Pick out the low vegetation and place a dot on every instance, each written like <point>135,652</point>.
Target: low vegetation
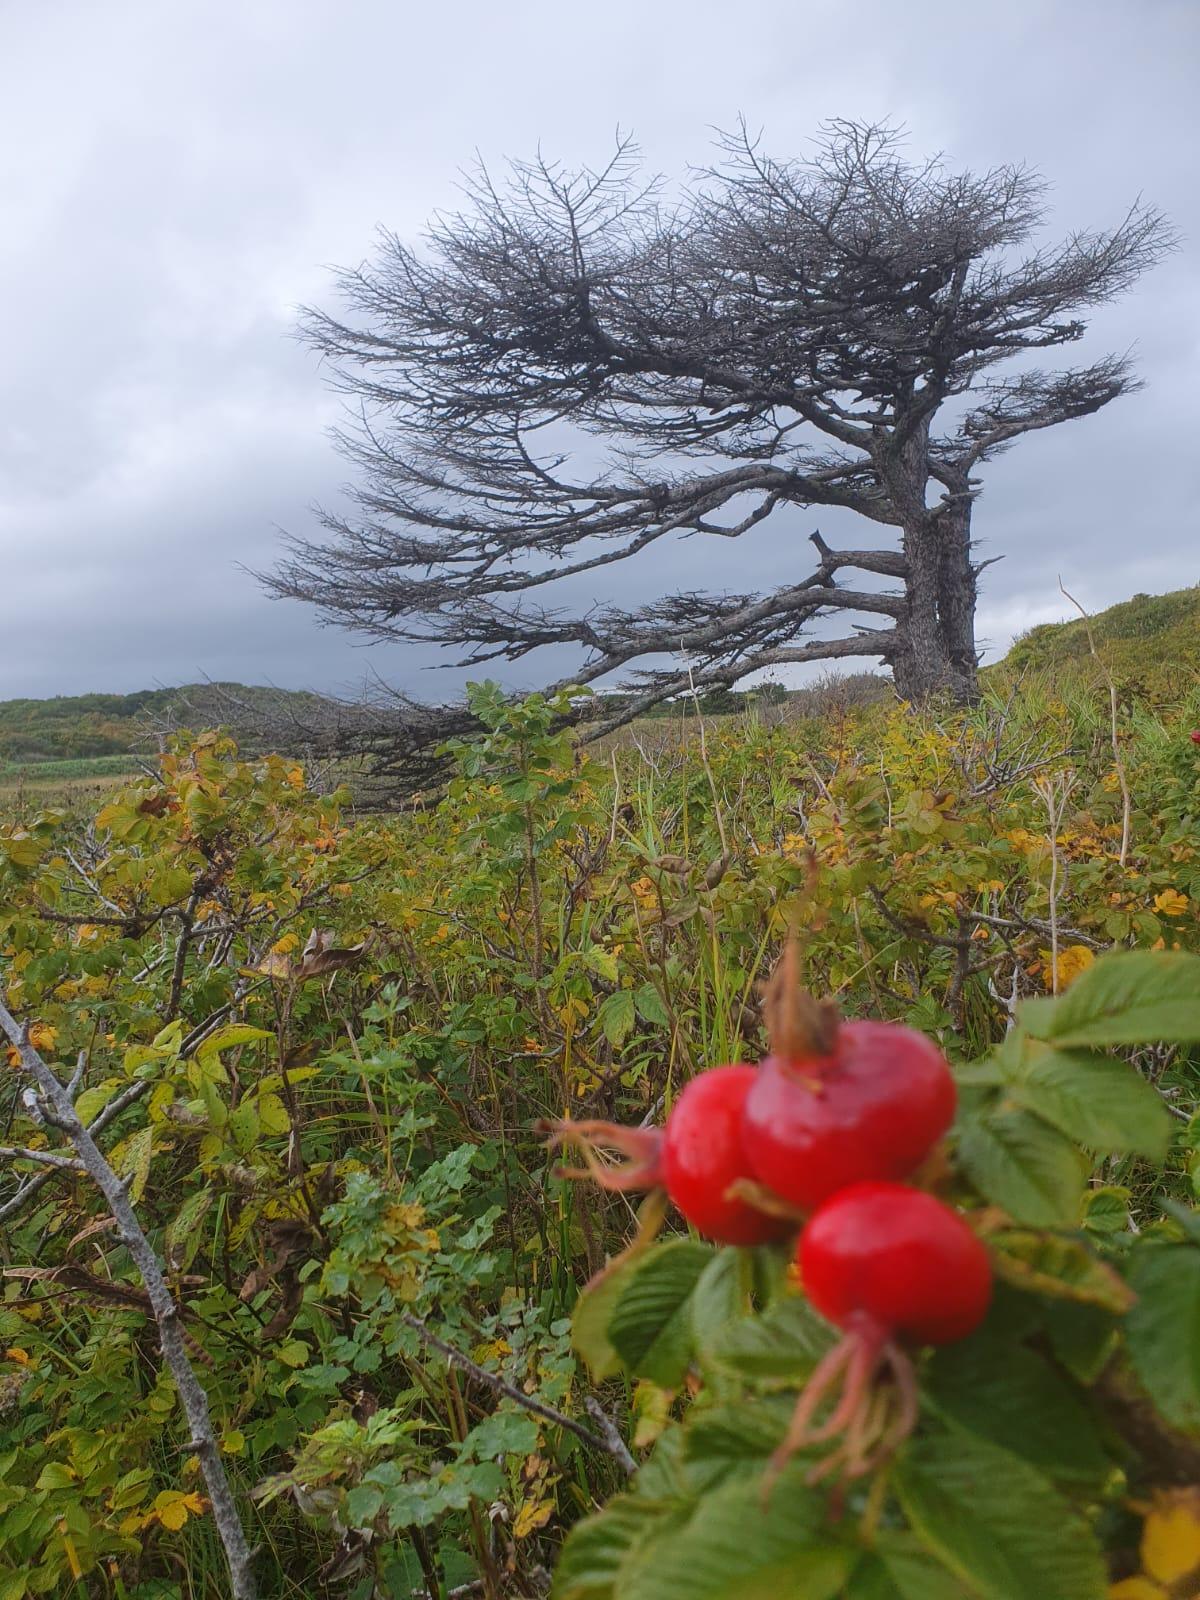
<point>316,1046</point>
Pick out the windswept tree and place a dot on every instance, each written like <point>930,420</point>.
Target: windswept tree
<point>570,370</point>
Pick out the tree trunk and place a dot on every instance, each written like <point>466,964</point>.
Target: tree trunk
<point>921,664</point>
<point>956,601</point>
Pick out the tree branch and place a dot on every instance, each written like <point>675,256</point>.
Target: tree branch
<point>166,1312</point>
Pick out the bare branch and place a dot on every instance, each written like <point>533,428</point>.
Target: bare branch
<point>166,1311</point>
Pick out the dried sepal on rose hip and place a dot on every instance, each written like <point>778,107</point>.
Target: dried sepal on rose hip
<point>891,1266</point>
<point>839,1102</point>
<point>697,1158</point>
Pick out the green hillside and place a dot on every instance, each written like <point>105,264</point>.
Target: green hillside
<point>1150,643</point>
<point>86,726</point>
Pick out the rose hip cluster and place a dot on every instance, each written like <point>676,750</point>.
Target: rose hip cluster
<point>818,1138</point>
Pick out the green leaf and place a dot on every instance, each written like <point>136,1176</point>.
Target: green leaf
<point>996,1522</point>
<point>1127,997</point>
<point>729,1441</point>
<point>272,1114</point>
<point>55,1475</point>
<point>1024,1167</point>
<point>1011,1395</point>
<point>735,1548</point>
<point>651,1324</point>
<point>778,1348</point>
<point>617,1017</point>
<point>1163,1329</point>
<point>170,885</point>
<point>597,1547</point>
<point>898,1569</point>
<point>601,961</point>
<point>722,1293</point>
<point>1060,1267</point>
<point>1098,1101</point>
<point>234,1033</point>
<point>591,1316</point>
<point>134,1162</point>
<point>650,1007</point>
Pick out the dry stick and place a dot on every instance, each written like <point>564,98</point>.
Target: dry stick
<point>1114,732</point>
<point>48,1158</point>
<point>1054,792</point>
<point>611,1442</point>
<point>60,1113</point>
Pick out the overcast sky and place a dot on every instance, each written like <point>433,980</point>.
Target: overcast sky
<point>176,178</point>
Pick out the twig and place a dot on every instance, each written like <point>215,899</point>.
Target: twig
<point>166,1311</point>
<point>1054,791</point>
<point>1114,731</point>
<point>611,1443</point>
<point>49,1158</point>
<point>612,1437</point>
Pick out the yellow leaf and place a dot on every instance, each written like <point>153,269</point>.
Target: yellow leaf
<point>42,1036</point>
<point>1171,903</point>
<point>1136,1589</point>
<point>171,1508</point>
<point>21,1357</point>
<point>1171,1535</point>
<point>533,1514</point>
<point>284,946</point>
<point>1076,958</point>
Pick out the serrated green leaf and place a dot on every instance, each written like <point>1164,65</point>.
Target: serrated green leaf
<point>1163,1329</point>
<point>601,961</point>
<point>1127,997</point>
<point>650,1007</point>
<point>183,1236</point>
<point>777,1349</point>
<point>996,1522</point>
<point>1009,1394</point>
<point>597,1547</point>
<point>735,1548</point>
<point>1098,1101</point>
<point>1023,1166</point>
<point>735,1440</point>
<point>617,1016</point>
<point>898,1569</point>
<point>1058,1266</point>
<point>55,1475</point>
<point>651,1322</point>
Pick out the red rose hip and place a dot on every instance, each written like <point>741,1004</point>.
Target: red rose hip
<point>873,1106</point>
<point>697,1158</point>
<point>702,1157</point>
<point>886,1257</point>
<point>887,1263</point>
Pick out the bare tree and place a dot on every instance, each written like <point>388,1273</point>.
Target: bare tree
<point>572,371</point>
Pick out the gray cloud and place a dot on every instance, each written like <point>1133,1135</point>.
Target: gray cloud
<point>176,178</point>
